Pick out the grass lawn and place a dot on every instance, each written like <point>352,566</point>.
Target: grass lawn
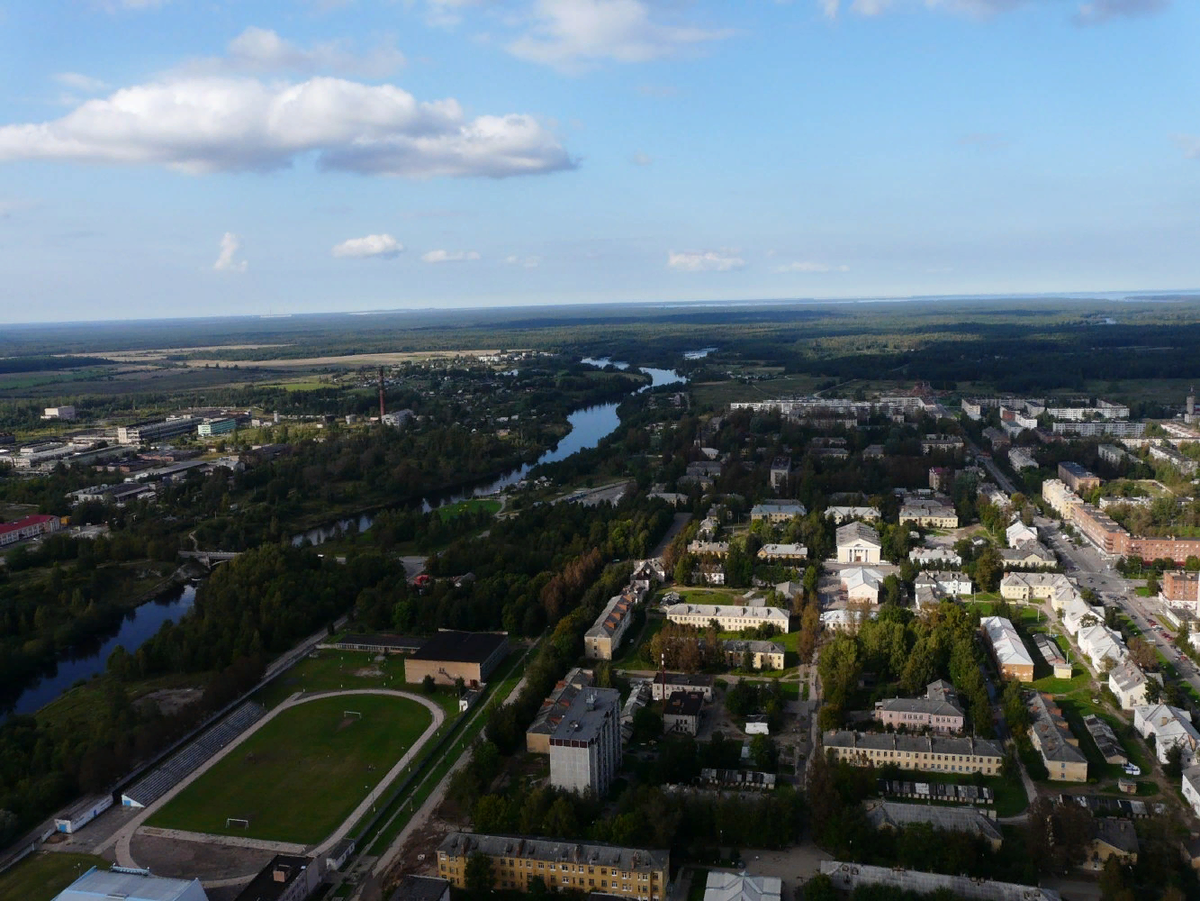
<point>699,885</point>
<point>41,876</point>
<point>331,670</point>
<point>711,595</point>
<point>301,775</point>
<point>636,656</point>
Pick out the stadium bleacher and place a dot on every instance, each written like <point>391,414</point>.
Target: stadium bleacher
<point>176,768</point>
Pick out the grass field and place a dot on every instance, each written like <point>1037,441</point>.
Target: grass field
<point>471,505</point>
<point>41,876</point>
<point>298,777</point>
<point>334,670</point>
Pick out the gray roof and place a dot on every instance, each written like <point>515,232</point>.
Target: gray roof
<point>1052,732</point>
<point>930,706</point>
<point>951,819</point>
<point>555,706</point>
<point>857,531</point>
<point>584,718</point>
<point>882,741</point>
<point>847,875</point>
<point>758,647</point>
<point>461,844</point>
<point>1118,833</point>
<point>419,888</point>
<point>131,885</point>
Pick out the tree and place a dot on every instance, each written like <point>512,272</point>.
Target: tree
<point>478,874</point>
<point>989,566</point>
<point>764,753</point>
<point>1152,586</point>
<point>1174,764</point>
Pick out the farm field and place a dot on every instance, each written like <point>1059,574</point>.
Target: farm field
<point>301,775</point>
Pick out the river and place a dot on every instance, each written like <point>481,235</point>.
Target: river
<point>92,658</point>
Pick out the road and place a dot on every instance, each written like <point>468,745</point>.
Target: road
<point>1094,570</point>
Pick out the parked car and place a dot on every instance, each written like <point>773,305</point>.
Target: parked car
<point>1132,769</point>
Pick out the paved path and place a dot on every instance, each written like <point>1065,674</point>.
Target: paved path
<point>121,840</point>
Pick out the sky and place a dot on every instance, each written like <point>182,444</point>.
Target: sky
<point>225,157</point>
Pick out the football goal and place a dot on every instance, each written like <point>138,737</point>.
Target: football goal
<point>356,714</point>
<point>240,822</point>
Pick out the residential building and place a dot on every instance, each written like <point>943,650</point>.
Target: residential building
<point>934,557</point>
<point>585,746</point>
<point>1128,683</point>
<point>941,444</point>
<point>927,753</point>
<point>1018,533</point>
<point>1110,453</point>
<point>1053,739</point>
<point>843,514</point>
<point>1191,787</point>
<point>1077,478</point>
<point>946,583</point>
<point>560,865</point>
<point>725,886</point>
<point>285,878</point>
<point>666,684</point>
<point>396,419</point>
<point>146,432</point>
<point>789,553</point>
<point>846,619</point>
<point>451,655</point>
<point>1170,726</point>
<point>1062,500</point>
<point>28,527</point>
<point>555,707</point>
<point>1165,453</point>
<point>1099,427</point>
<point>997,439</point>
<point>938,710</point>
<point>129,884</point>
<point>781,469</point>
<point>1007,649</point>
<point>708,548</point>
<point>762,654</point>
<point>941,478</point>
<point>603,639</point>
<point>971,820</point>
<point>1102,646</point>
<point>709,574</point>
<point>1112,837</point>
<point>1029,555</point>
<point>857,542</point>
<point>681,712</point>
<point>1181,588</point>
<point>1031,586</point>
<point>777,512</point>
<point>929,512</point>
<point>1020,459</point>
<point>729,617</point>
<point>848,876</point>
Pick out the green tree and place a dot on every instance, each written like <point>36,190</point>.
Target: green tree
<point>478,873</point>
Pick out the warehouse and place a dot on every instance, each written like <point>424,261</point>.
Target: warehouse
<point>450,655</point>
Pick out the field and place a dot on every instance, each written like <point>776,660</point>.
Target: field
<point>471,505</point>
<point>300,776</point>
<point>41,876</point>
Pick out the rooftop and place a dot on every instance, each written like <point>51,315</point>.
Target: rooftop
<point>684,703</point>
<point>419,888</point>
<point>461,647</point>
<point>462,844</point>
<point>130,885</point>
<point>584,717</point>
<point>951,819</point>
<point>275,879</point>
<point>723,886</point>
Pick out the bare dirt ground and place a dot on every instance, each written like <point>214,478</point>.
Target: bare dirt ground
<point>169,857</point>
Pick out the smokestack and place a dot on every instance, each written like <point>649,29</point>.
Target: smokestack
<point>381,410</point>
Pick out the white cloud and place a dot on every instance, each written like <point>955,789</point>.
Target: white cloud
<point>226,124</point>
<point>830,8</point>
<point>383,246</point>
<point>227,259</point>
<point>450,256</point>
<point>446,13</point>
<point>113,6</point>
<point>1097,11</point>
<point>572,35</point>
<point>810,266</point>
<point>1190,145</point>
<point>641,159</point>
<point>83,83</point>
<point>1086,11</point>
<point>530,262</point>
<point>723,260</point>
<point>262,50</point>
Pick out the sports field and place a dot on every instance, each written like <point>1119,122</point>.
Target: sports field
<point>301,775</point>
<point>41,876</point>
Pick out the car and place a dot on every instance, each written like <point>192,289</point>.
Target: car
<point>1132,769</point>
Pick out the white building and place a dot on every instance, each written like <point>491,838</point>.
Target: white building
<point>1019,459</point>
<point>723,886</point>
<point>67,412</point>
<point>1128,683</point>
<point>858,543</point>
<point>585,747</point>
<point>954,584</point>
<point>1011,656</point>
<point>729,617</point>
<point>131,885</point>
<point>1102,646</point>
<point>861,584</point>
<point>1191,787</point>
<point>844,514</point>
<point>1170,726</point>
<point>1018,532</point>
<point>936,557</point>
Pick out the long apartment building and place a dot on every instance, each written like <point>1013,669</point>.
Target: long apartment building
<point>1101,530</point>
<point>730,617</point>
<point>1011,656</point>
<point>560,865</point>
<point>29,527</point>
<point>1052,737</point>
<point>928,753</point>
<point>602,640</point>
<point>938,710</point>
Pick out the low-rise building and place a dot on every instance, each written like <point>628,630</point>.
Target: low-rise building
<point>28,527</point>
<point>844,514</point>
<point>1018,586</point>
<point>1102,646</point>
<point>1112,837</point>
<point>929,513</point>
<point>1128,683</point>
<point>790,553</point>
<point>1191,787</point>
<point>65,412</point>
<point>146,432</point>
<point>708,548</point>
<point>1106,740</point>
<point>892,815</point>
<point>666,684</point>
<point>681,712</point>
<point>451,655</point>
<point>759,654</point>
<point>286,878</point>
<point>861,584</point>
<point>1019,459</point>
<point>210,428</point>
<point>941,444</point>
<point>1053,739</point>
<point>1052,655</point>
<point>729,617</point>
<point>1006,648</point>
<point>777,512</point>
<point>421,888</point>
<point>129,884</point>
<point>847,877</point>
<point>1028,555</point>
<point>935,558</point>
<point>857,542</point>
<point>938,710</point>
<point>1170,727</point>
<point>929,753</point>
<point>1018,533</point>
<point>726,886</point>
<point>945,583</point>
<point>559,865</point>
<point>603,639</point>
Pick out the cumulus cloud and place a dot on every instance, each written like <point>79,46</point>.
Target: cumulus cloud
<point>1096,11</point>
<point>262,50</point>
<point>446,13</point>
<point>723,260</point>
<point>1190,145</point>
<point>530,262</point>
<point>572,35</point>
<point>810,266</point>
<point>229,124</point>
<point>113,6</point>
<point>450,256</point>
<point>82,83</point>
<point>641,159</point>
<point>1086,11</point>
<point>227,260</point>
<point>383,246</point>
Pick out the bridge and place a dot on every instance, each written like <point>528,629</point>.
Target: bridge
<point>208,558</point>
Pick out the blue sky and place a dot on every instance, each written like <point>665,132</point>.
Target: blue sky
<point>207,157</point>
